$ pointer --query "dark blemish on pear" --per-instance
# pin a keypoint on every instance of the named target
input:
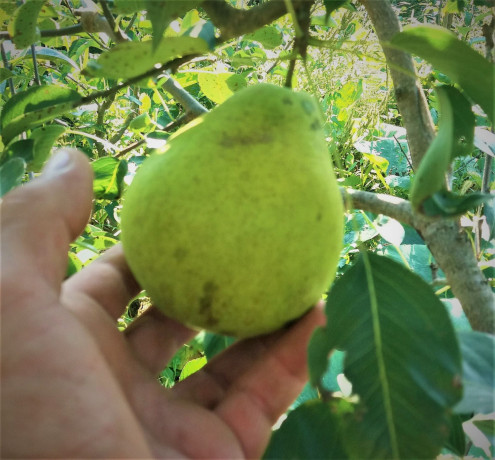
(308, 107)
(315, 126)
(180, 254)
(287, 101)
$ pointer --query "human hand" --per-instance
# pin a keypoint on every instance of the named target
(73, 386)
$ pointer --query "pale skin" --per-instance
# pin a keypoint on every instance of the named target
(73, 386)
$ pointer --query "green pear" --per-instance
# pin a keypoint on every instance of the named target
(236, 226)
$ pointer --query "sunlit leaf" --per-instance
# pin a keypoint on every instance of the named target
(192, 366)
(22, 27)
(130, 59)
(269, 36)
(220, 86)
(162, 12)
(35, 105)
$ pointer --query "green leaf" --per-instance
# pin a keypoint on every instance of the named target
(192, 366)
(455, 137)
(205, 30)
(11, 174)
(5, 74)
(457, 439)
(478, 364)
(34, 106)
(216, 343)
(140, 123)
(220, 86)
(332, 5)
(42, 52)
(162, 12)
(73, 265)
(108, 177)
(44, 138)
(448, 204)
(23, 148)
(130, 59)
(454, 6)
(311, 431)
(129, 6)
(430, 176)
(453, 57)
(402, 359)
(464, 122)
(269, 36)
(23, 26)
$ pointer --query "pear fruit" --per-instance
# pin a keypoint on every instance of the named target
(236, 225)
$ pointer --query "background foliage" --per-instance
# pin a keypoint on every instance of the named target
(407, 376)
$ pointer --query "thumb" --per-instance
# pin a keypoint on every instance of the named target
(41, 218)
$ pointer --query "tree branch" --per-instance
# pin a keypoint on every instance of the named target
(183, 97)
(378, 203)
(409, 94)
(445, 238)
(233, 22)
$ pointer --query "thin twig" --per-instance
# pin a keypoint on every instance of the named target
(404, 153)
(35, 66)
(7, 65)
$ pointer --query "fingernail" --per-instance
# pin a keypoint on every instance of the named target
(58, 164)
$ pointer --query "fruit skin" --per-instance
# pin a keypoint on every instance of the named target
(236, 226)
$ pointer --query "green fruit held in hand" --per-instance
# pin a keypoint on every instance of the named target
(236, 226)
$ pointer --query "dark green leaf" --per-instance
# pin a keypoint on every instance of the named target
(108, 177)
(23, 149)
(448, 204)
(453, 57)
(5, 74)
(311, 431)
(129, 6)
(332, 5)
(457, 439)
(11, 174)
(402, 359)
(478, 364)
(22, 27)
(34, 106)
(430, 176)
(464, 122)
(215, 343)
